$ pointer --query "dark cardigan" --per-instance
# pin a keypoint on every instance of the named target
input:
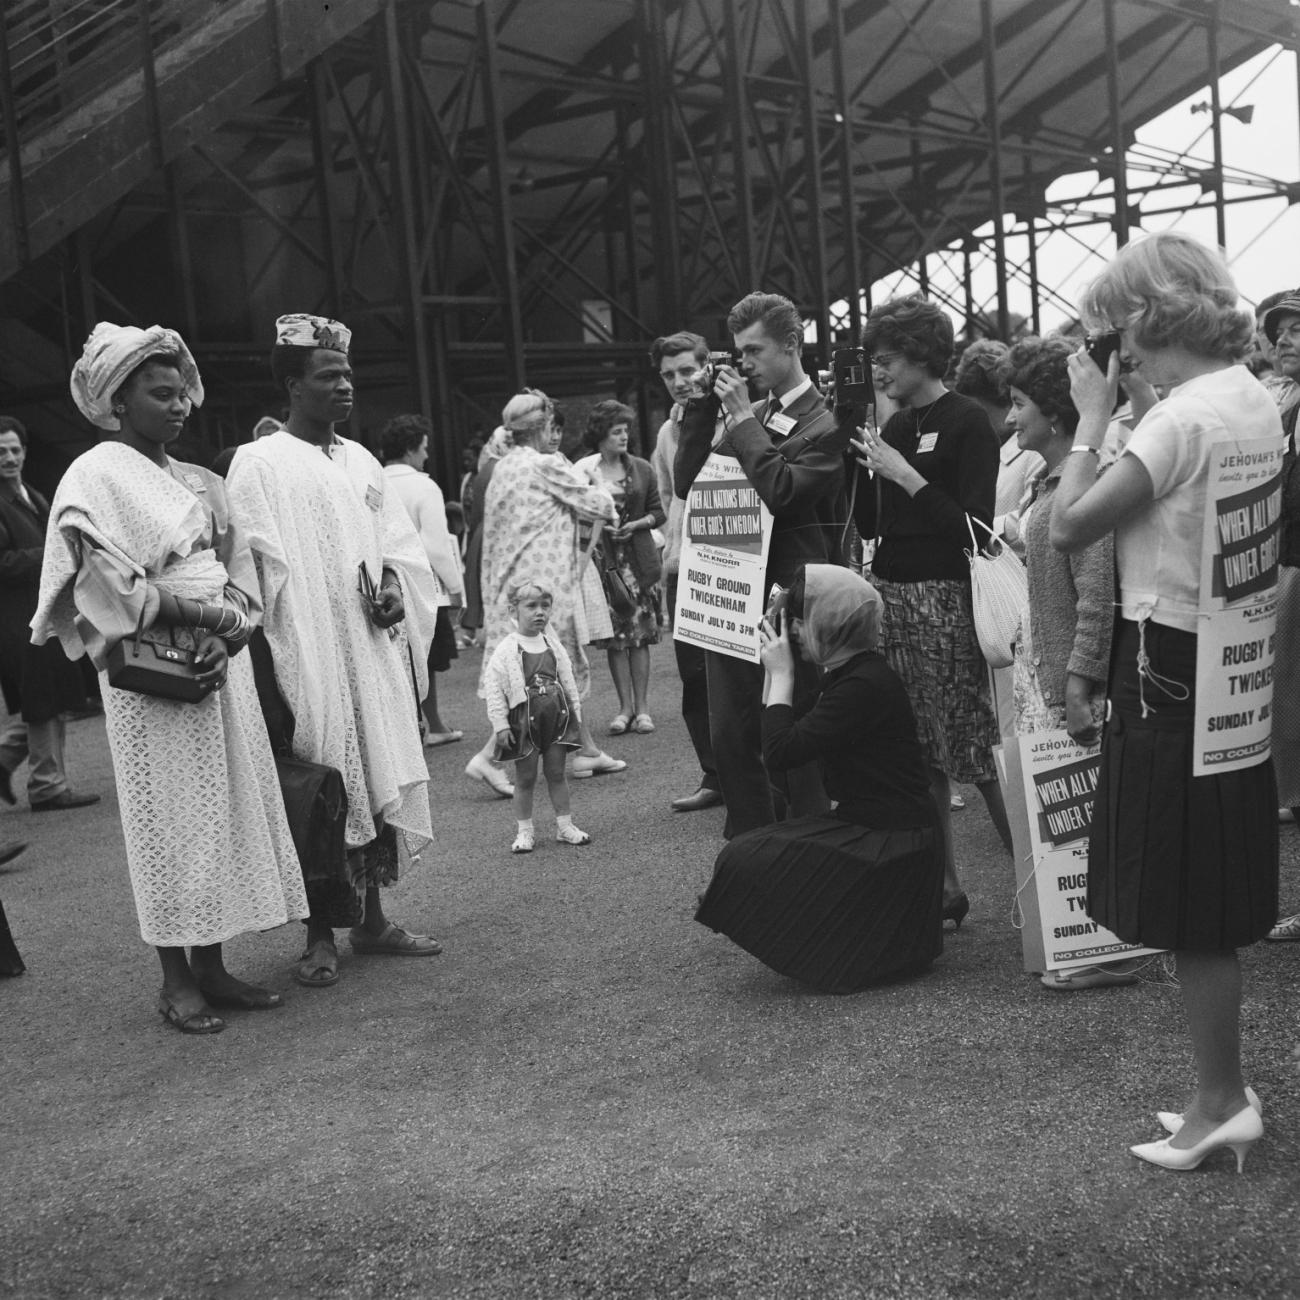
(641, 498)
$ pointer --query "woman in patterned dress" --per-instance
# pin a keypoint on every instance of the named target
(137, 540)
(631, 548)
(530, 530)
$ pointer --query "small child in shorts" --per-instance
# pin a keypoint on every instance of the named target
(532, 704)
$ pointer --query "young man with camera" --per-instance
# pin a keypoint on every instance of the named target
(792, 454)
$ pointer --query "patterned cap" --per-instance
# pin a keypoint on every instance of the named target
(1289, 306)
(299, 330)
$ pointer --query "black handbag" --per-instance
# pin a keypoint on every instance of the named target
(148, 665)
(618, 595)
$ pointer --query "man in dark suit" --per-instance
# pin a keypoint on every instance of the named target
(792, 453)
(39, 683)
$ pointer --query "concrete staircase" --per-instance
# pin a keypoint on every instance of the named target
(96, 106)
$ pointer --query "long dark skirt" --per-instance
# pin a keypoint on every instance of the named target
(834, 904)
(1176, 861)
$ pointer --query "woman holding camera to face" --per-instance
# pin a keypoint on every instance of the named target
(1176, 861)
(934, 463)
(843, 900)
(628, 545)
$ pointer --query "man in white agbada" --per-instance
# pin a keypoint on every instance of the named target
(325, 532)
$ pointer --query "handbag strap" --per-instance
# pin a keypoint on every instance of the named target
(139, 632)
(976, 548)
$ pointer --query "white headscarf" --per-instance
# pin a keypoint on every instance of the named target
(841, 615)
(111, 353)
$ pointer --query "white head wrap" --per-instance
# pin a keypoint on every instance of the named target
(111, 353)
(299, 330)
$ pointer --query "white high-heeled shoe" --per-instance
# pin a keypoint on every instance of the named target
(1171, 1120)
(1239, 1133)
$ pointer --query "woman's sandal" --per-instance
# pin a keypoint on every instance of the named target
(318, 967)
(244, 997)
(643, 724)
(197, 1022)
(620, 724)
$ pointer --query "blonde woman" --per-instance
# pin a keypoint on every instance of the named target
(531, 513)
(1176, 861)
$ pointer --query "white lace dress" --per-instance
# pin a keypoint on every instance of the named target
(207, 845)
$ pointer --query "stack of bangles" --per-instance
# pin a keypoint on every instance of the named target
(231, 623)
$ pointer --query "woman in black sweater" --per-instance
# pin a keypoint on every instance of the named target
(844, 900)
(934, 463)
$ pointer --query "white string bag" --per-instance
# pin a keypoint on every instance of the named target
(999, 594)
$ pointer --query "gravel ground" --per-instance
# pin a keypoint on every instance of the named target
(588, 1094)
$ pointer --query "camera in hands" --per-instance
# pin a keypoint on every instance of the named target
(1101, 347)
(704, 377)
(848, 381)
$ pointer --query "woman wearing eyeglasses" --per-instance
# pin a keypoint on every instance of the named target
(934, 462)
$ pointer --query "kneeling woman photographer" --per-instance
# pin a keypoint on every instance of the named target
(844, 900)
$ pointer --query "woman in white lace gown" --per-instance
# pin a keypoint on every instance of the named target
(139, 540)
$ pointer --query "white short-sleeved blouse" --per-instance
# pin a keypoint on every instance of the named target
(1159, 550)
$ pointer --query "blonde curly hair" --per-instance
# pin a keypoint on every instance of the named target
(1170, 290)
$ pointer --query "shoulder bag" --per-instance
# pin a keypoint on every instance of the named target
(999, 593)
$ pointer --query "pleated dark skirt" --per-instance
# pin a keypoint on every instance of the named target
(834, 904)
(1176, 861)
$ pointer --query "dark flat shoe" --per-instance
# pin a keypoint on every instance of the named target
(67, 799)
(249, 998)
(199, 1022)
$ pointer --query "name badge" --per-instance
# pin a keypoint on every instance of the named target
(195, 483)
(374, 497)
(929, 441)
(781, 425)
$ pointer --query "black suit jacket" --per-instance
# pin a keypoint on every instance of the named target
(38, 680)
(800, 477)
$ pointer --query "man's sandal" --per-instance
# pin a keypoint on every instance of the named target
(392, 941)
(318, 967)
